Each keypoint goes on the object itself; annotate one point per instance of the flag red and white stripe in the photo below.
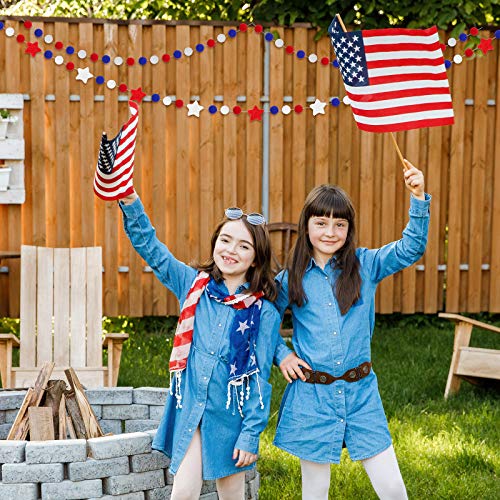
(115, 165)
(185, 326)
(395, 78)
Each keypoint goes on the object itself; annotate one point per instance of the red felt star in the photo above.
(485, 45)
(33, 49)
(137, 94)
(255, 113)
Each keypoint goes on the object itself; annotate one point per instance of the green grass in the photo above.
(446, 449)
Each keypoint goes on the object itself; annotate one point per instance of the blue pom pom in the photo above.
(38, 32)
(497, 34)
(106, 59)
(70, 50)
(335, 63)
(212, 109)
(462, 37)
(155, 97)
(274, 110)
(177, 54)
(47, 54)
(99, 80)
(232, 33)
(2, 25)
(269, 37)
(447, 63)
(335, 101)
(142, 60)
(200, 47)
(301, 54)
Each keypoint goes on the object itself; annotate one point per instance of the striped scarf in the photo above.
(243, 336)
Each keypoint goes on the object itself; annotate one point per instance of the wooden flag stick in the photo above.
(392, 135)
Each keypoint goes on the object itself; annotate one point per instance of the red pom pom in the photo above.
(298, 108)
(236, 110)
(70, 66)
(58, 45)
(20, 38)
(28, 24)
(325, 61)
(289, 49)
(474, 31)
(258, 28)
(94, 57)
(122, 87)
(179, 103)
(165, 58)
(130, 61)
(243, 27)
(469, 52)
(211, 43)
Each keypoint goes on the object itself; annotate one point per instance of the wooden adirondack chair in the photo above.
(61, 319)
(473, 364)
(280, 253)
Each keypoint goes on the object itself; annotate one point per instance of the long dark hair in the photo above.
(260, 276)
(326, 201)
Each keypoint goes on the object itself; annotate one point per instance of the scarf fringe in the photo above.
(244, 392)
(177, 376)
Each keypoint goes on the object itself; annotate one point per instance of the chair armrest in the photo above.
(457, 318)
(4, 337)
(115, 337)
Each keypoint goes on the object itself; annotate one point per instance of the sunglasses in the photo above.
(235, 213)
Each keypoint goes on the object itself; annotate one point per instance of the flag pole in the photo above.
(392, 135)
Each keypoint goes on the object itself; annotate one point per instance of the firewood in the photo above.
(71, 428)
(20, 428)
(62, 418)
(90, 422)
(52, 399)
(41, 423)
(76, 417)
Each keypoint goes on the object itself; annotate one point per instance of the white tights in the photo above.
(188, 480)
(382, 469)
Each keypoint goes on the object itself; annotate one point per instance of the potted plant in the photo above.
(4, 175)
(5, 118)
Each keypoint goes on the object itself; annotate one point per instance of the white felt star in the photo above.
(243, 326)
(252, 359)
(84, 74)
(233, 369)
(194, 109)
(318, 107)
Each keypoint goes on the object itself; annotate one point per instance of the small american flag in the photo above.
(395, 78)
(115, 164)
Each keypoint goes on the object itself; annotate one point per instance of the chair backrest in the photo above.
(282, 234)
(61, 306)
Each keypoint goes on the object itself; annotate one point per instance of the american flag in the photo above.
(115, 164)
(395, 78)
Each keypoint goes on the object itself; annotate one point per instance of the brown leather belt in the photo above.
(352, 375)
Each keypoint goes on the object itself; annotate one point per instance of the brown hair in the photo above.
(326, 201)
(260, 276)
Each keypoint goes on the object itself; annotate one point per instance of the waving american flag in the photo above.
(395, 78)
(115, 164)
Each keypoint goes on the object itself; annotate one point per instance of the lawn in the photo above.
(446, 449)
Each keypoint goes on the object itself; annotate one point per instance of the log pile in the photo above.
(52, 410)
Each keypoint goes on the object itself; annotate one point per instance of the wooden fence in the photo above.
(188, 169)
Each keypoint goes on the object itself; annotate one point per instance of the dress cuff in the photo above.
(248, 443)
(282, 351)
(132, 211)
(420, 208)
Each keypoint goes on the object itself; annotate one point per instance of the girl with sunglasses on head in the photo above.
(330, 287)
(223, 350)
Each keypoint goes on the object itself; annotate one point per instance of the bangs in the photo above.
(332, 202)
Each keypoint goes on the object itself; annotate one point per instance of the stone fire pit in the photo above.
(120, 466)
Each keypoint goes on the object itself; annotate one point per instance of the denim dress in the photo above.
(204, 386)
(316, 420)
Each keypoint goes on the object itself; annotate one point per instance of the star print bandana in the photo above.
(115, 165)
(242, 338)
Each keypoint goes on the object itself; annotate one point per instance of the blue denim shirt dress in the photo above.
(204, 382)
(316, 420)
